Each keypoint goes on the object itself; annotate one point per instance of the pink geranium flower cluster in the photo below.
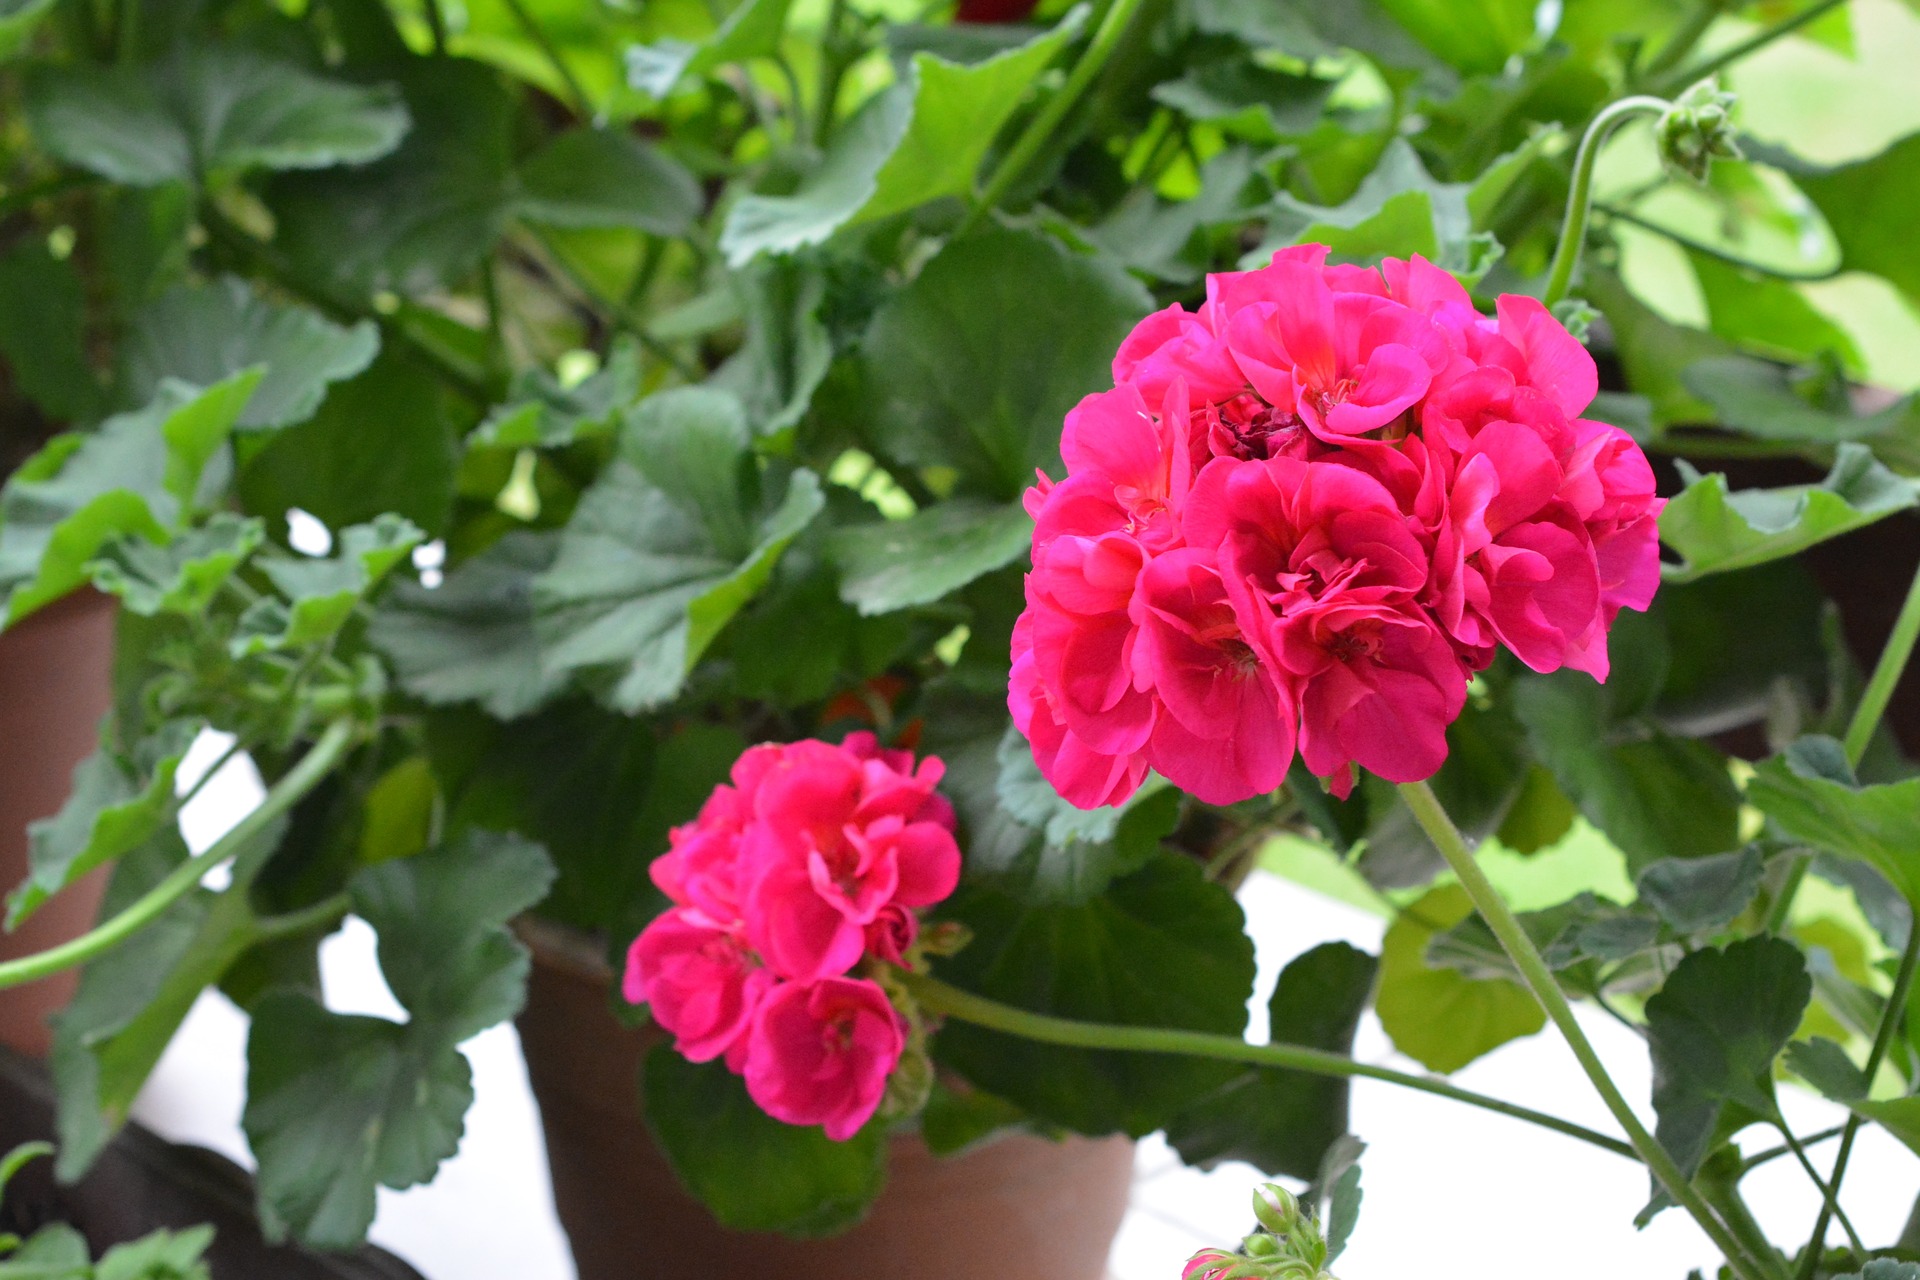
(1303, 517)
(815, 859)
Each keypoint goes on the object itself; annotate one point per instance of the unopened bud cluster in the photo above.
(1697, 130)
(1288, 1245)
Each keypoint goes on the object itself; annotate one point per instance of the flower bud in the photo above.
(1696, 130)
(1275, 1208)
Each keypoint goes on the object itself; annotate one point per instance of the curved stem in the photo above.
(1771, 1154)
(1685, 38)
(1519, 947)
(581, 103)
(1573, 230)
(288, 791)
(1677, 80)
(938, 997)
(1714, 251)
(1046, 122)
(1882, 1042)
(1886, 675)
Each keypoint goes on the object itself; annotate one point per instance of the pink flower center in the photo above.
(1248, 428)
(1360, 642)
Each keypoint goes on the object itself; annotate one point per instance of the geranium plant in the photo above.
(585, 456)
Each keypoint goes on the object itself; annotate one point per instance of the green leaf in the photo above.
(1343, 1208)
(1398, 210)
(1652, 351)
(1697, 895)
(541, 413)
(1810, 791)
(382, 442)
(421, 218)
(18, 18)
(471, 639)
(1714, 530)
(1653, 794)
(1162, 947)
(1307, 30)
(203, 334)
(787, 349)
(596, 177)
(1773, 402)
(43, 310)
(1864, 204)
(753, 1172)
(1279, 1121)
(1826, 1066)
(1767, 314)
(337, 1104)
(18, 1158)
(752, 30)
(161, 1255)
(668, 544)
(206, 110)
(1714, 1029)
(1899, 1117)
(1178, 240)
(56, 1252)
(1474, 36)
(321, 594)
(137, 475)
(181, 577)
(1889, 1268)
(957, 1121)
(897, 564)
(117, 804)
(975, 363)
(1246, 99)
(1439, 1017)
(920, 140)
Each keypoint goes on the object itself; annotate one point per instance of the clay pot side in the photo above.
(1020, 1208)
(56, 672)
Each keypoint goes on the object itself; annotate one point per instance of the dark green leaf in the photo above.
(602, 178)
(1885, 1269)
(1771, 401)
(471, 639)
(321, 594)
(1865, 203)
(1439, 1017)
(1307, 30)
(1540, 815)
(1810, 791)
(787, 349)
(1279, 1121)
(896, 564)
(382, 442)
(1343, 1193)
(1178, 240)
(43, 312)
(337, 1105)
(975, 363)
(18, 18)
(203, 334)
(1161, 947)
(752, 1171)
(665, 548)
(56, 1251)
(424, 216)
(752, 30)
(117, 805)
(1399, 209)
(1879, 901)
(1696, 895)
(1715, 1028)
(1247, 99)
(161, 1255)
(956, 1122)
(208, 109)
(918, 141)
(1767, 314)
(1654, 795)
(1653, 352)
(135, 476)
(181, 577)
(1826, 1066)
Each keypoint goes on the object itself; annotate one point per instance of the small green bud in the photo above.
(1275, 1208)
(1261, 1246)
(1696, 130)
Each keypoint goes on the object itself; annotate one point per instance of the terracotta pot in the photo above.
(56, 672)
(1021, 1208)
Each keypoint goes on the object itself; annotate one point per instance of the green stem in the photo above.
(437, 24)
(1685, 38)
(1718, 1186)
(1540, 980)
(1886, 675)
(302, 778)
(581, 103)
(1882, 1043)
(1714, 251)
(1573, 231)
(1820, 1184)
(304, 920)
(833, 69)
(1675, 81)
(1771, 1154)
(939, 998)
(1040, 130)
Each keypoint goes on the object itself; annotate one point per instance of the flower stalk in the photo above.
(937, 997)
(1433, 819)
(287, 792)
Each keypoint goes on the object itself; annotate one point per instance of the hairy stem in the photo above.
(288, 791)
(1540, 980)
(1820, 1184)
(949, 1001)
(1882, 1042)
(1046, 122)
(1573, 230)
